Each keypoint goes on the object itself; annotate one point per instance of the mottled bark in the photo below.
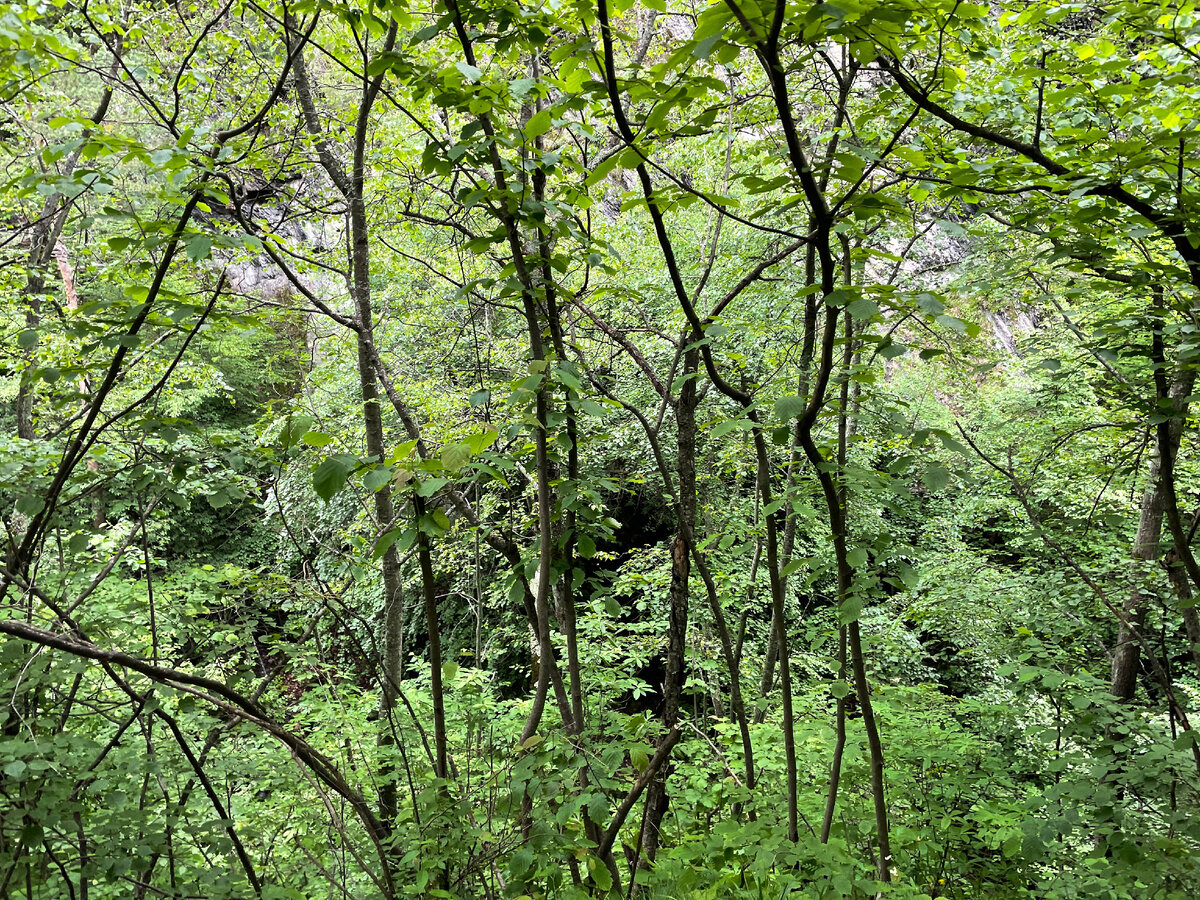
(1148, 542)
(352, 185)
(1147, 547)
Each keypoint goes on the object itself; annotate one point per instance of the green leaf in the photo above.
(839, 689)
(930, 304)
(521, 87)
(455, 456)
(199, 247)
(936, 477)
(639, 758)
(430, 486)
(449, 670)
(850, 609)
(293, 430)
(601, 170)
(317, 439)
(949, 442)
(406, 540)
(403, 451)
(538, 124)
(599, 873)
(30, 504)
(952, 322)
(330, 477)
(597, 807)
(1012, 844)
(425, 34)
(480, 441)
(469, 72)
(27, 339)
(403, 538)
(585, 546)
(789, 407)
(857, 558)
(377, 478)
(863, 308)
(704, 47)
(520, 863)
(516, 592)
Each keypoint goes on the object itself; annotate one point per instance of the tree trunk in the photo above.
(657, 799)
(1187, 606)
(1148, 543)
(351, 185)
(1146, 549)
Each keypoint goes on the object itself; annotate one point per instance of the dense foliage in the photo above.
(692, 450)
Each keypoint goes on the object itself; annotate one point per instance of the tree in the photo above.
(594, 326)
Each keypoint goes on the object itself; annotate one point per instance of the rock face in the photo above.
(1009, 325)
(931, 262)
(303, 235)
(926, 261)
(286, 212)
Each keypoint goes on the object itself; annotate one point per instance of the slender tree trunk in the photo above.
(1187, 606)
(779, 617)
(429, 591)
(839, 745)
(1147, 547)
(795, 459)
(1156, 500)
(545, 270)
(352, 186)
(847, 424)
(657, 799)
(532, 294)
(385, 510)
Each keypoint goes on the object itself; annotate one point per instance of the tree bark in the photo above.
(352, 186)
(1187, 606)
(657, 799)
(1148, 543)
(1147, 547)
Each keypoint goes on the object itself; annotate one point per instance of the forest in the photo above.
(520, 449)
